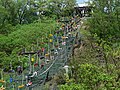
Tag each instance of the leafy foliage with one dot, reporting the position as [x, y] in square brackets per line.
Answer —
[89, 77]
[25, 36]
[72, 87]
[104, 20]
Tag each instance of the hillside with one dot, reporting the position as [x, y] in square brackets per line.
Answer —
[89, 68]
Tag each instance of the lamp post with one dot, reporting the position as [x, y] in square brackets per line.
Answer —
[66, 70]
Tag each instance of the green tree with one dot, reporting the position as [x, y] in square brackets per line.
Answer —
[61, 7]
[105, 28]
[68, 7]
[25, 36]
[104, 20]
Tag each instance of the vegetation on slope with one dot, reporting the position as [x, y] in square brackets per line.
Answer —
[25, 36]
[88, 68]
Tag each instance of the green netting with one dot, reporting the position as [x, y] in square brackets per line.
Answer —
[50, 68]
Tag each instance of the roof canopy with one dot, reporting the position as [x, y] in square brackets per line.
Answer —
[83, 5]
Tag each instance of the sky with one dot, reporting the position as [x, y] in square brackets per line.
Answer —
[81, 1]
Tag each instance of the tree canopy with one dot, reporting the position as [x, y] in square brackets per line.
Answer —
[105, 20]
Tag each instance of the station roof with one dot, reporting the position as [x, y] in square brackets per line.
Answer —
[83, 5]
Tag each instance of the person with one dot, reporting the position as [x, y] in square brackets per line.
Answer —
[63, 43]
[11, 79]
[36, 64]
[19, 70]
[42, 65]
[38, 52]
[11, 71]
[29, 84]
[55, 37]
[52, 57]
[56, 52]
[42, 49]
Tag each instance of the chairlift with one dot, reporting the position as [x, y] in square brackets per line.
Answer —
[42, 57]
[36, 64]
[50, 35]
[64, 37]
[2, 88]
[29, 84]
[51, 40]
[2, 81]
[32, 59]
[21, 86]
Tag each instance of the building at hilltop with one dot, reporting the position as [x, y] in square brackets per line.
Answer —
[84, 10]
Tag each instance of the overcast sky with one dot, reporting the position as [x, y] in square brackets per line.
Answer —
[81, 1]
